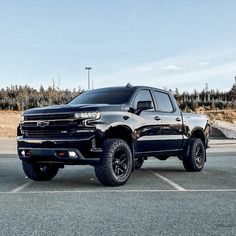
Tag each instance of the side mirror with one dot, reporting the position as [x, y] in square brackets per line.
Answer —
[143, 105]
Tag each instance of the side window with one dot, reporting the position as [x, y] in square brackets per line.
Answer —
[143, 95]
[163, 101]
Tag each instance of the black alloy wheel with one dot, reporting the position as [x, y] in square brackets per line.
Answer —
[120, 163]
[199, 156]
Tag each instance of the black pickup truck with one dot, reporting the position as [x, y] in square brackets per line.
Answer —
[113, 129]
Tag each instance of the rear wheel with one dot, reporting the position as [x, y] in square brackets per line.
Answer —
[39, 172]
[196, 157]
[138, 163]
[116, 163]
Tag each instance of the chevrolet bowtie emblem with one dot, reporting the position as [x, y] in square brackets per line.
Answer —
[42, 123]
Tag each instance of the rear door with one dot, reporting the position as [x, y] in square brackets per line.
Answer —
[171, 121]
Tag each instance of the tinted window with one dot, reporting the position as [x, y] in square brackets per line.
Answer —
[163, 102]
[143, 95]
[104, 96]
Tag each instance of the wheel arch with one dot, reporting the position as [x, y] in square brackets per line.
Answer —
[122, 132]
[198, 132]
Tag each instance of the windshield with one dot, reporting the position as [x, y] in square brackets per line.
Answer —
[104, 96]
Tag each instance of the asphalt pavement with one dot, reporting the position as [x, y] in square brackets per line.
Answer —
[159, 199]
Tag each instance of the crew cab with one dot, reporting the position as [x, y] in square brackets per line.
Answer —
[113, 129]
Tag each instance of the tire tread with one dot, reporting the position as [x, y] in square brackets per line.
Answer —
[103, 171]
[188, 160]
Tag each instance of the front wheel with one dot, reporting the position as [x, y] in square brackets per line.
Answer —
[196, 157]
[116, 163]
[39, 172]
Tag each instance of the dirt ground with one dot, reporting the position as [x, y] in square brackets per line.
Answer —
[8, 123]
[9, 120]
[222, 115]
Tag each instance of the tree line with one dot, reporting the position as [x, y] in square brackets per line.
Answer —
[210, 99]
[21, 98]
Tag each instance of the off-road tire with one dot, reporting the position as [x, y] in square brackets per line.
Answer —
[195, 155]
[107, 171]
[37, 172]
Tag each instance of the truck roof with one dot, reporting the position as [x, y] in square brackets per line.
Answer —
[131, 87]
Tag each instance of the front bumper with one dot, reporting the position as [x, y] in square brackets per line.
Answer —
[69, 151]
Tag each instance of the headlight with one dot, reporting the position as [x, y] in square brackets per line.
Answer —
[22, 118]
[88, 115]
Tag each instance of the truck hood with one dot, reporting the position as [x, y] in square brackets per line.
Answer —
[72, 109]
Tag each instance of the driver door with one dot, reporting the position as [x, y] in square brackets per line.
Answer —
[149, 125]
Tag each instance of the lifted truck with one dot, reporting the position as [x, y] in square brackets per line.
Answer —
[113, 129]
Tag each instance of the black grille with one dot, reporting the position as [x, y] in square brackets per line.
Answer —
[56, 124]
[52, 126]
[49, 117]
[44, 133]
[52, 133]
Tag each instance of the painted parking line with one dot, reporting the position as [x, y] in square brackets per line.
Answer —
[120, 191]
[22, 187]
[170, 182]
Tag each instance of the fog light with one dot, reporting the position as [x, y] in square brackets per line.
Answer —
[61, 154]
[26, 153]
[72, 154]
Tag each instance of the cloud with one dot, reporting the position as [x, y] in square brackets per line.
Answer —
[194, 70]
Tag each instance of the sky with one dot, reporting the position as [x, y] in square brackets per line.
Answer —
[171, 44]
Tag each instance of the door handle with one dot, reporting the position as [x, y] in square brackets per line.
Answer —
[157, 118]
[178, 119]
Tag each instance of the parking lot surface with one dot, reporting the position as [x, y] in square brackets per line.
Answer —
[159, 199]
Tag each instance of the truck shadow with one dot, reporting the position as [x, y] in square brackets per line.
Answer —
[86, 179]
